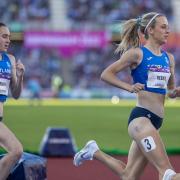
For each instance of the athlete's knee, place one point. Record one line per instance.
(16, 152)
(169, 173)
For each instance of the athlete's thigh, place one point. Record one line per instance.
(136, 162)
(150, 143)
(7, 139)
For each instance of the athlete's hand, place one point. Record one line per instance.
(174, 93)
(19, 68)
(177, 91)
(135, 88)
(171, 93)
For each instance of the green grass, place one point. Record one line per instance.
(100, 120)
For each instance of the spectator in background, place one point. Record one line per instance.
(34, 87)
(56, 85)
(11, 76)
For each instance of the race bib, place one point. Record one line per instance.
(158, 79)
(4, 86)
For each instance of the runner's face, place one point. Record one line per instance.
(161, 30)
(4, 38)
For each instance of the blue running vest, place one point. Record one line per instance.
(153, 71)
(5, 76)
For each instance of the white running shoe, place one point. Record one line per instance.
(86, 153)
(169, 173)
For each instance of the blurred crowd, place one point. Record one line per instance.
(41, 65)
(19, 13)
(100, 13)
(48, 74)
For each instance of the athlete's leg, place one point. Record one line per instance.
(115, 165)
(14, 151)
(150, 143)
(135, 164)
(136, 160)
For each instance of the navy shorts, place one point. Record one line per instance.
(142, 112)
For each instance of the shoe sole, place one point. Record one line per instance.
(80, 152)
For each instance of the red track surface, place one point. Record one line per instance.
(63, 169)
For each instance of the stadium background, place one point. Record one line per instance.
(64, 46)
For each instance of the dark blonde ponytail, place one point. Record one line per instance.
(130, 32)
(129, 36)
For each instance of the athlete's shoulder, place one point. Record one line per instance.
(11, 58)
(170, 55)
(135, 53)
(171, 58)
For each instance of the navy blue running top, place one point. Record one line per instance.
(5, 76)
(153, 71)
